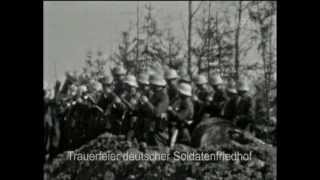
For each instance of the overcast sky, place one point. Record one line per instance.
(72, 28)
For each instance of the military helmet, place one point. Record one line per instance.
(97, 86)
(82, 89)
(157, 80)
(185, 89)
(143, 78)
(216, 80)
(172, 74)
(201, 79)
(243, 85)
(119, 70)
(131, 80)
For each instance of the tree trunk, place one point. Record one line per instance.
(209, 38)
(237, 36)
(189, 37)
(137, 50)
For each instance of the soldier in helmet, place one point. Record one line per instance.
(112, 106)
(181, 115)
(201, 97)
(172, 80)
(106, 99)
(229, 111)
(245, 107)
(156, 106)
(144, 84)
(219, 97)
(142, 110)
(119, 74)
(130, 99)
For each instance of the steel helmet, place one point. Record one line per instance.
(119, 70)
(231, 86)
(96, 86)
(172, 74)
(131, 80)
(185, 89)
(157, 80)
(216, 80)
(82, 89)
(143, 78)
(243, 85)
(201, 79)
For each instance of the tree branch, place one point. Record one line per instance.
(195, 11)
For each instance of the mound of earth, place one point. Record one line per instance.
(261, 166)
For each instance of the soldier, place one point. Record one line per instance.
(142, 110)
(201, 98)
(119, 75)
(144, 85)
(105, 101)
(130, 99)
(156, 106)
(229, 111)
(172, 80)
(94, 92)
(90, 114)
(245, 107)
(180, 115)
(112, 106)
(219, 97)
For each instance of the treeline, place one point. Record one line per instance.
(219, 38)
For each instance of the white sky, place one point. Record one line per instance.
(72, 28)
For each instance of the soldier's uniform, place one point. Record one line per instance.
(130, 101)
(157, 106)
(219, 98)
(142, 109)
(231, 104)
(181, 115)
(201, 99)
(172, 89)
(245, 107)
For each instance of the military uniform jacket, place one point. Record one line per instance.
(218, 103)
(230, 109)
(173, 93)
(130, 101)
(158, 104)
(245, 108)
(182, 111)
(203, 94)
(119, 88)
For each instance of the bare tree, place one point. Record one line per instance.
(189, 36)
(237, 37)
(262, 14)
(137, 48)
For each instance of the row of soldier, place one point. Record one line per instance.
(154, 109)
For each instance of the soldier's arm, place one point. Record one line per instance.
(185, 113)
(162, 106)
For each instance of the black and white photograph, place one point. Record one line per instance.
(160, 90)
